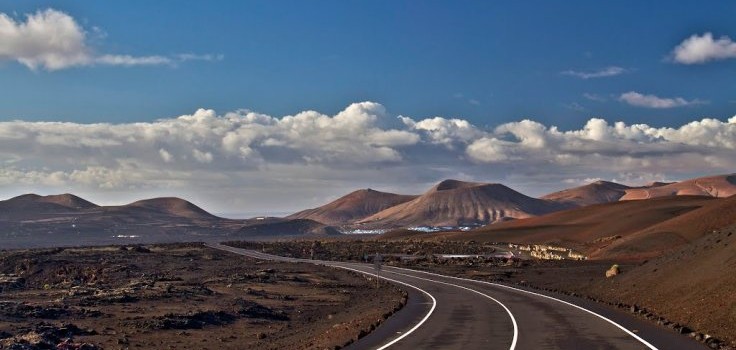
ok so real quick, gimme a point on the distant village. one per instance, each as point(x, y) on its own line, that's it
point(548, 252)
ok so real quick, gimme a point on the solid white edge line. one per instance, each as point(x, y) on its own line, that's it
point(240, 251)
point(650, 346)
point(407, 333)
point(513, 320)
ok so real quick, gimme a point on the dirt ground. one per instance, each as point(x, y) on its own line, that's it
point(181, 296)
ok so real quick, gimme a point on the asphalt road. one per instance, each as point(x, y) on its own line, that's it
point(445, 312)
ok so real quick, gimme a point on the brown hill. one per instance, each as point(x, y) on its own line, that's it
point(456, 203)
point(35, 221)
point(30, 205)
point(283, 228)
point(666, 235)
point(172, 206)
point(593, 193)
point(714, 186)
point(68, 200)
point(354, 206)
point(588, 229)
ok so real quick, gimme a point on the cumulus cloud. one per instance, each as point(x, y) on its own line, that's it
point(53, 40)
point(699, 49)
point(651, 101)
point(603, 149)
point(300, 160)
point(611, 71)
point(447, 132)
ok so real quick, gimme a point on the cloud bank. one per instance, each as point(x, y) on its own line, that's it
point(53, 40)
point(699, 49)
point(247, 160)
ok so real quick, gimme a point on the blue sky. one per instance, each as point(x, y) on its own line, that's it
point(480, 67)
point(416, 58)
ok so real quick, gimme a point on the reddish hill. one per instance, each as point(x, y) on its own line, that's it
point(454, 203)
point(714, 186)
point(172, 206)
point(30, 205)
point(354, 206)
point(593, 193)
point(68, 200)
point(588, 228)
point(666, 235)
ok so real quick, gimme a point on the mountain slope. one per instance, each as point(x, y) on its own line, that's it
point(666, 235)
point(581, 226)
point(714, 186)
point(455, 203)
point(172, 206)
point(593, 193)
point(351, 207)
point(36, 221)
point(31, 205)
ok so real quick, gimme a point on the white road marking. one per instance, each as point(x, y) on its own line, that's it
point(426, 317)
point(647, 344)
point(385, 346)
point(513, 320)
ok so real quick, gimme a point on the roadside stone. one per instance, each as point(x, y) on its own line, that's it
point(613, 271)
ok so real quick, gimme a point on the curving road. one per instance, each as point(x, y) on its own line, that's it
point(446, 312)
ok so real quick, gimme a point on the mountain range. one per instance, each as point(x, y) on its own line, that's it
point(459, 203)
point(603, 219)
point(33, 220)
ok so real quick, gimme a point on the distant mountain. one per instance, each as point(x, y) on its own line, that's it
point(68, 200)
point(353, 206)
point(455, 203)
point(30, 205)
point(621, 230)
point(33, 220)
point(173, 206)
point(712, 186)
point(593, 193)
point(606, 192)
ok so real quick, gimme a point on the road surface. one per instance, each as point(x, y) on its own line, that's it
point(446, 312)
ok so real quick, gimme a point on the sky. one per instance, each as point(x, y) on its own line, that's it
point(274, 106)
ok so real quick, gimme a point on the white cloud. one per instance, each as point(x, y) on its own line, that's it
point(127, 60)
point(287, 161)
point(601, 73)
point(699, 49)
point(651, 101)
point(165, 155)
point(448, 132)
point(594, 97)
point(53, 40)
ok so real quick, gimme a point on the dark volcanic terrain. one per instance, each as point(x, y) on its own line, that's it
point(182, 296)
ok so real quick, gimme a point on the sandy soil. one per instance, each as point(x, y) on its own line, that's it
point(182, 296)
